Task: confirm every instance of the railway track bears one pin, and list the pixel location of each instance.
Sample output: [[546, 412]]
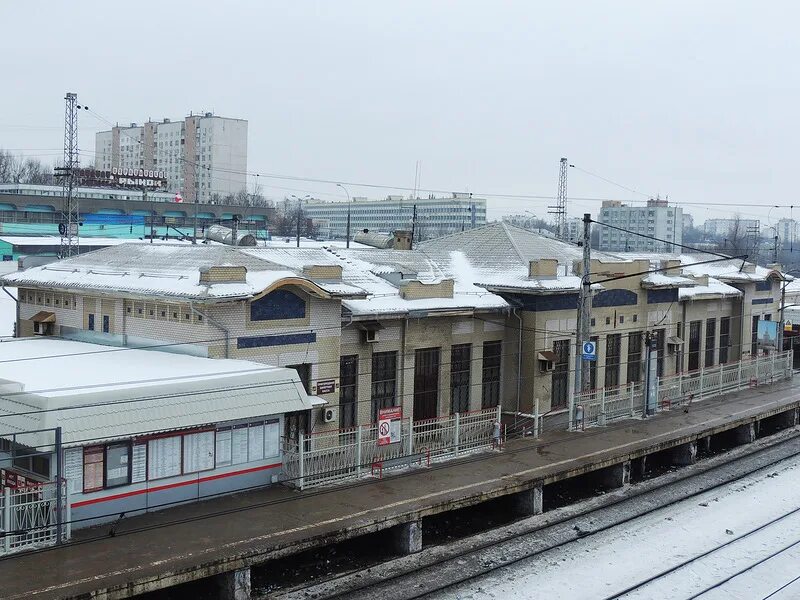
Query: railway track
[[421, 576], [698, 560]]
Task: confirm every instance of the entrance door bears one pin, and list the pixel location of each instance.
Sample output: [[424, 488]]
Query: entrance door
[[426, 383]]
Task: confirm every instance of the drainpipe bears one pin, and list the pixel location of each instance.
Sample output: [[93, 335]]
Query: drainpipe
[[16, 301], [215, 324], [519, 362]]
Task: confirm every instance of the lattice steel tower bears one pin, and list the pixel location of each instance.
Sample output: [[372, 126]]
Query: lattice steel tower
[[70, 241], [560, 209]]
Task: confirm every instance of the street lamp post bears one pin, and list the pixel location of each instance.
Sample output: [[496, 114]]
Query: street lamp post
[[299, 214], [349, 203]]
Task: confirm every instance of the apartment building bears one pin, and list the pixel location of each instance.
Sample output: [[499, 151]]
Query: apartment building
[[656, 220], [203, 156]]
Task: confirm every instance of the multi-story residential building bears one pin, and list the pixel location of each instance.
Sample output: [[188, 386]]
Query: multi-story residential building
[[786, 230], [435, 216], [736, 227], [478, 319], [203, 156], [654, 222]]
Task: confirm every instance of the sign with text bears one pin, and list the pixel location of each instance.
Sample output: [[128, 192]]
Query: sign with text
[[326, 386], [389, 425], [122, 177]]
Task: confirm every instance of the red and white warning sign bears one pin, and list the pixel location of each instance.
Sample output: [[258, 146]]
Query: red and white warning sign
[[389, 425]]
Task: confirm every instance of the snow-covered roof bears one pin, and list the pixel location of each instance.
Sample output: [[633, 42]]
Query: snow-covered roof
[[291, 242], [164, 270], [714, 288], [99, 392], [372, 271], [731, 270], [503, 246]]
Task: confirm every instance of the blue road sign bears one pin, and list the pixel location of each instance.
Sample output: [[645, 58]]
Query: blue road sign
[[589, 351]]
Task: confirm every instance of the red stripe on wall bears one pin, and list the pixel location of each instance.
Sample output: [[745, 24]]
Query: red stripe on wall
[[170, 486]]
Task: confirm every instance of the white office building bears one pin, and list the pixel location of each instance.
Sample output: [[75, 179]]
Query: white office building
[[203, 156], [435, 216], [638, 228]]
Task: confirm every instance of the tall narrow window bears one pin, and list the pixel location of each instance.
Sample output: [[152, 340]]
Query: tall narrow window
[[460, 360], [348, 390], [634, 356], [426, 383], [754, 338], [106, 324], [90, 325], [724, 339], [694, 345], [384, 381], [613, 348], [593, 366], [491, 374], [560, 382], [711, 341], [660, 347]]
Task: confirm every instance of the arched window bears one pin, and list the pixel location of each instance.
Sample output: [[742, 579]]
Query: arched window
[[279, 304]]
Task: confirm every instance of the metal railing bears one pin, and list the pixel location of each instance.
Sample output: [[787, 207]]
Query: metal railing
[[28, 518], [600, 406], [328, 457]]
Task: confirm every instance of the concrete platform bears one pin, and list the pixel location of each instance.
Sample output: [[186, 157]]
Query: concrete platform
[[231, 533]]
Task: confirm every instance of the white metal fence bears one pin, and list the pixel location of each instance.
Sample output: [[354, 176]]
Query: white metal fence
[[608, 404], [28, 517], [328, 457]]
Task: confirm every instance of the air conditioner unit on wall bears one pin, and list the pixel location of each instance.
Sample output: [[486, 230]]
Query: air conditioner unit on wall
[[329, 414]]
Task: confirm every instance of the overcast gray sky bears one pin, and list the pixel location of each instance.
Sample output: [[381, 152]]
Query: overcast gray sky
[[697, 100]]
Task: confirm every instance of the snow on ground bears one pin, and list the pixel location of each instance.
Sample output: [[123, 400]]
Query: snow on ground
[[607, 563]]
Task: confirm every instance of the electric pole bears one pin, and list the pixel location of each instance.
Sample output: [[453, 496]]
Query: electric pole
[[583, 331], [70, 242], [560, 209]]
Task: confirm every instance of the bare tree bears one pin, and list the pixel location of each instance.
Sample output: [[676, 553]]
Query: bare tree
[[17, 169]]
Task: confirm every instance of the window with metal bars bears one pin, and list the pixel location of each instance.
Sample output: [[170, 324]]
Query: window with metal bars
[[593, 366], [613, 349], [348, 391], [426, 383], [560, 382], [384, 381], [694, 345], [661, 339], [724, 339], [491, 374], [460, 361], [711, 341], [754, 338], [634, 356]]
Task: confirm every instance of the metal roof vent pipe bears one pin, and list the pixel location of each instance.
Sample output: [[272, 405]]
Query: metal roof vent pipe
[[224, 235]]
